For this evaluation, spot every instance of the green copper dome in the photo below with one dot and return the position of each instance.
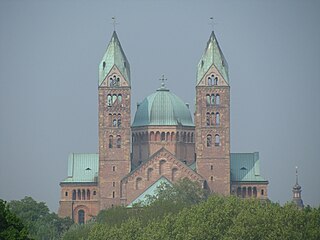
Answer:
(162, 108)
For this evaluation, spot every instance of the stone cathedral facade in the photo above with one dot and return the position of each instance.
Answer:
(163, 144)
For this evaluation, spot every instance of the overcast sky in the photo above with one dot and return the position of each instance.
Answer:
(49, 56)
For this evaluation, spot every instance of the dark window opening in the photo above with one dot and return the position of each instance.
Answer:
(81, 217)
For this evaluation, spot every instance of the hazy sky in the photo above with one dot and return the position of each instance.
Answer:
(49, 56)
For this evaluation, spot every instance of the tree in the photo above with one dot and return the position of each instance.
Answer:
(37, 218)
(11, 227)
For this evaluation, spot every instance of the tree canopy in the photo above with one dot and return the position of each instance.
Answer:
(184, 212)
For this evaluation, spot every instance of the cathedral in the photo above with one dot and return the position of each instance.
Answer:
(164, 143)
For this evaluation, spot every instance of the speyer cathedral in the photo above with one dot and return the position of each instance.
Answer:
(163, 144)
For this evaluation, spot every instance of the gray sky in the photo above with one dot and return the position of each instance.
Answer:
(49, 56)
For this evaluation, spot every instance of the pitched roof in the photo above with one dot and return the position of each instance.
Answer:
(82, 168)
(212, 56)
(245, 167)
(151, 191)
(114, 56)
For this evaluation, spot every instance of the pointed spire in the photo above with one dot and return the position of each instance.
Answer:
(296, 190)
(114, 56)
(212, 56)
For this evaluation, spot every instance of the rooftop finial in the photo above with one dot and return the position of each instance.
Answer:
(212, 23)
(162, 79)
(114, 23)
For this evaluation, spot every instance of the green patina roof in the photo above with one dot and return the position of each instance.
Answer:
(245, 167)
(114, 55)
(82, 167)
(162, 108)
(151, 191)
(212, 56)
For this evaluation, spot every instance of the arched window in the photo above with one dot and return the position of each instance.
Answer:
(192, 137)
(110, 119)
(188, 137)
(138, 183)
(74, 194)
(249, 191)
(119, 98)
(208, 101)
(244, 192)
(158, 136)
(211, 167)
(217, 99)
(216, 81)
(103, 65)
(163, 136)
(119, 120)
(83, 194)
(168, 137)
(66, 194)
(152, 136)
(211, 178)
(88, 194)
(262, 192)
(114, 123)
(109, 100)
(208, 119)
(110, 141)
(161, 166)
(212, 99)
(114, 98)
(79, 194)
(212, 119)
(217, 140)
(254, 192)
(149, 173)
(217, 118)
(81, 217)
(178, 137)
(118, 141)
(209, 81)
(209, 140)
(174, 174)
(184, 137)
(172, 137)
(113, 194)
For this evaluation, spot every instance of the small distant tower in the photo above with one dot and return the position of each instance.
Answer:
(296, 190)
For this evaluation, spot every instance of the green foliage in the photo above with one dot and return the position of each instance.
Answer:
(78, 232)
(11, 227)
(40, 223)
(182, 211)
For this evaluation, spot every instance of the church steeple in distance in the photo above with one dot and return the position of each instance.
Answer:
(296, 190)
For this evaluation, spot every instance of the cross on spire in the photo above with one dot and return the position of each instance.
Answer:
(212, 23)
(162, 79)
(114, 23)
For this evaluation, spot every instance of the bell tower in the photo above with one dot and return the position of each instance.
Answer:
(114, 122)
(212, 119)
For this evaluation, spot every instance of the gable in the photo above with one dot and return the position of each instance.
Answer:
(150, 191)
(160, 164)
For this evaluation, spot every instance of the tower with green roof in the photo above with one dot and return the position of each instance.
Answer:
(114, 122)
(212, 118)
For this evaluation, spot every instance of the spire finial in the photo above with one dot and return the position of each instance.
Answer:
(162, 79)
(114, 23)
(212, 23)
(297, 175)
